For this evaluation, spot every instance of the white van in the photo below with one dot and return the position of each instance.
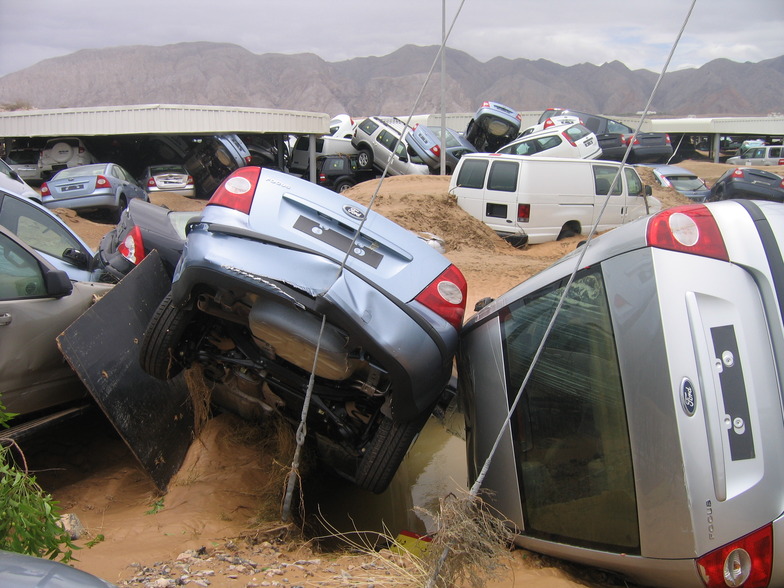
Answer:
(533, 200)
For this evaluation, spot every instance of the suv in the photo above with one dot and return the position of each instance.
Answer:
(213, 158)
(381, 141)
(341, 172)
(614, 138)
(759, 155)
(62, 152)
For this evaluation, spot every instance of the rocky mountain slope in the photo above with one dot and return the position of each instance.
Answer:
(229, 75)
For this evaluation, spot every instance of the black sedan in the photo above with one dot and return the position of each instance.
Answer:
(748, 183)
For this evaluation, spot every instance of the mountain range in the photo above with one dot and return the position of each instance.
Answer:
(229, 75)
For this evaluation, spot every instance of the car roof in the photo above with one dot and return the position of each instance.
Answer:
(673, 170)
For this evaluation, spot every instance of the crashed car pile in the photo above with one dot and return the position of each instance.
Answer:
(644, 442)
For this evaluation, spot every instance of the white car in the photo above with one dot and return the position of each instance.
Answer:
(573, 141)
(11, 181)
(342, 126)
(61, 153)
(553, 121)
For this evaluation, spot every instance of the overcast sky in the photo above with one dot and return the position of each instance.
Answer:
(635, 32)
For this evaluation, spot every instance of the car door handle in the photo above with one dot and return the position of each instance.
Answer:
(5, 319)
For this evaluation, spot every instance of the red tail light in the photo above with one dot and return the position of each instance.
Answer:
(238, 189)
(548, 123)
(189, 182)
(81, 150)
(690, 229)
(248, 159)
(151, 183)
(568, 138)
(737, 172)
(747, 562)
(627, 139)
(446, 296)
(485, 104)
(436, 150)
(45, 190)
(132, 247)
(101, 182)
(523, 213)
(322, 178)
(667, 139)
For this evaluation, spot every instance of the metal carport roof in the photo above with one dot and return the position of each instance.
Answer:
(179, 119)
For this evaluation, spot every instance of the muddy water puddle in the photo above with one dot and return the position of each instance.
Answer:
(434, 467)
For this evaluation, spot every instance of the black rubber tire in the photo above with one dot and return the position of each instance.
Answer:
(157, 355)
(122, 205)
(343, 186)
(385, 452)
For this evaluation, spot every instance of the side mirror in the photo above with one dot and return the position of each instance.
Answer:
(77, 257)
(648, 190)
(58, 284)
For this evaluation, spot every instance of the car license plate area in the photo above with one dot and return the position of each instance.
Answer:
(733, 391)
(338, 241)
(72, 187)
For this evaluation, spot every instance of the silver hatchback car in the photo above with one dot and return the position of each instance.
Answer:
(648, 436)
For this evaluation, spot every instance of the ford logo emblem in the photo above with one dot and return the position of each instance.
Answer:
(354, 212)
(688, 397)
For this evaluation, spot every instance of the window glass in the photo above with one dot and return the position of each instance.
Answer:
(472, 173)
(20, 274)
(387, 139)
(604, 176)
(35, 228)
(549, 142)
(569, 429)
(633, 182)
(503, 176)
(614, 126)
(368, 126)
(775, 152)
(577, 132)
(5, 169)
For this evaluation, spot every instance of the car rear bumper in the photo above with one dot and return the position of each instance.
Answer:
(188, 192)
(415, 352)
(107, 200)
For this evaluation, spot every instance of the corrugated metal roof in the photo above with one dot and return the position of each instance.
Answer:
(177, 119)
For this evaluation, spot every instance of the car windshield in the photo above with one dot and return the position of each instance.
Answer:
(82, 170)
(25, 156)
(686, 182)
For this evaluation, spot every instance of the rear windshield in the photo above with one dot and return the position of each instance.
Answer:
(570, 431)
(17, 157)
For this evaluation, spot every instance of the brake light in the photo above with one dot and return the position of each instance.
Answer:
(151, 183)
(446, 296)
(630, 139)
(132, 247)
(322, 178)
(523, 213)
(189, 181)
(45, 190)
(568, 138)
(747, 562)
(737, 172)
(781, 161)
(237, 190)
(436, 150)
(667, 139)
(248, 159)
(548, 123)
(485, 104)
(689, 229)
(81, 150)
(101, 182)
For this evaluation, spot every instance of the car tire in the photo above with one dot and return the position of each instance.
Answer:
(365, 157)
(121, 206)
(157, 354)
(342, 186)
(385, 453)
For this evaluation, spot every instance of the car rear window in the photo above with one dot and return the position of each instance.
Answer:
(368, 126)
(570, 429)
(577, 132)
(472, 173)
(24, 156)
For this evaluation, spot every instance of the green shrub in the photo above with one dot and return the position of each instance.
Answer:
(29, 518)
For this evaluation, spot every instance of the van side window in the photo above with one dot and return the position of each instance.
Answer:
(633, 182)
(472, 173)
(503, 176)
(569, 429)
(774, 152)
(603, 178)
